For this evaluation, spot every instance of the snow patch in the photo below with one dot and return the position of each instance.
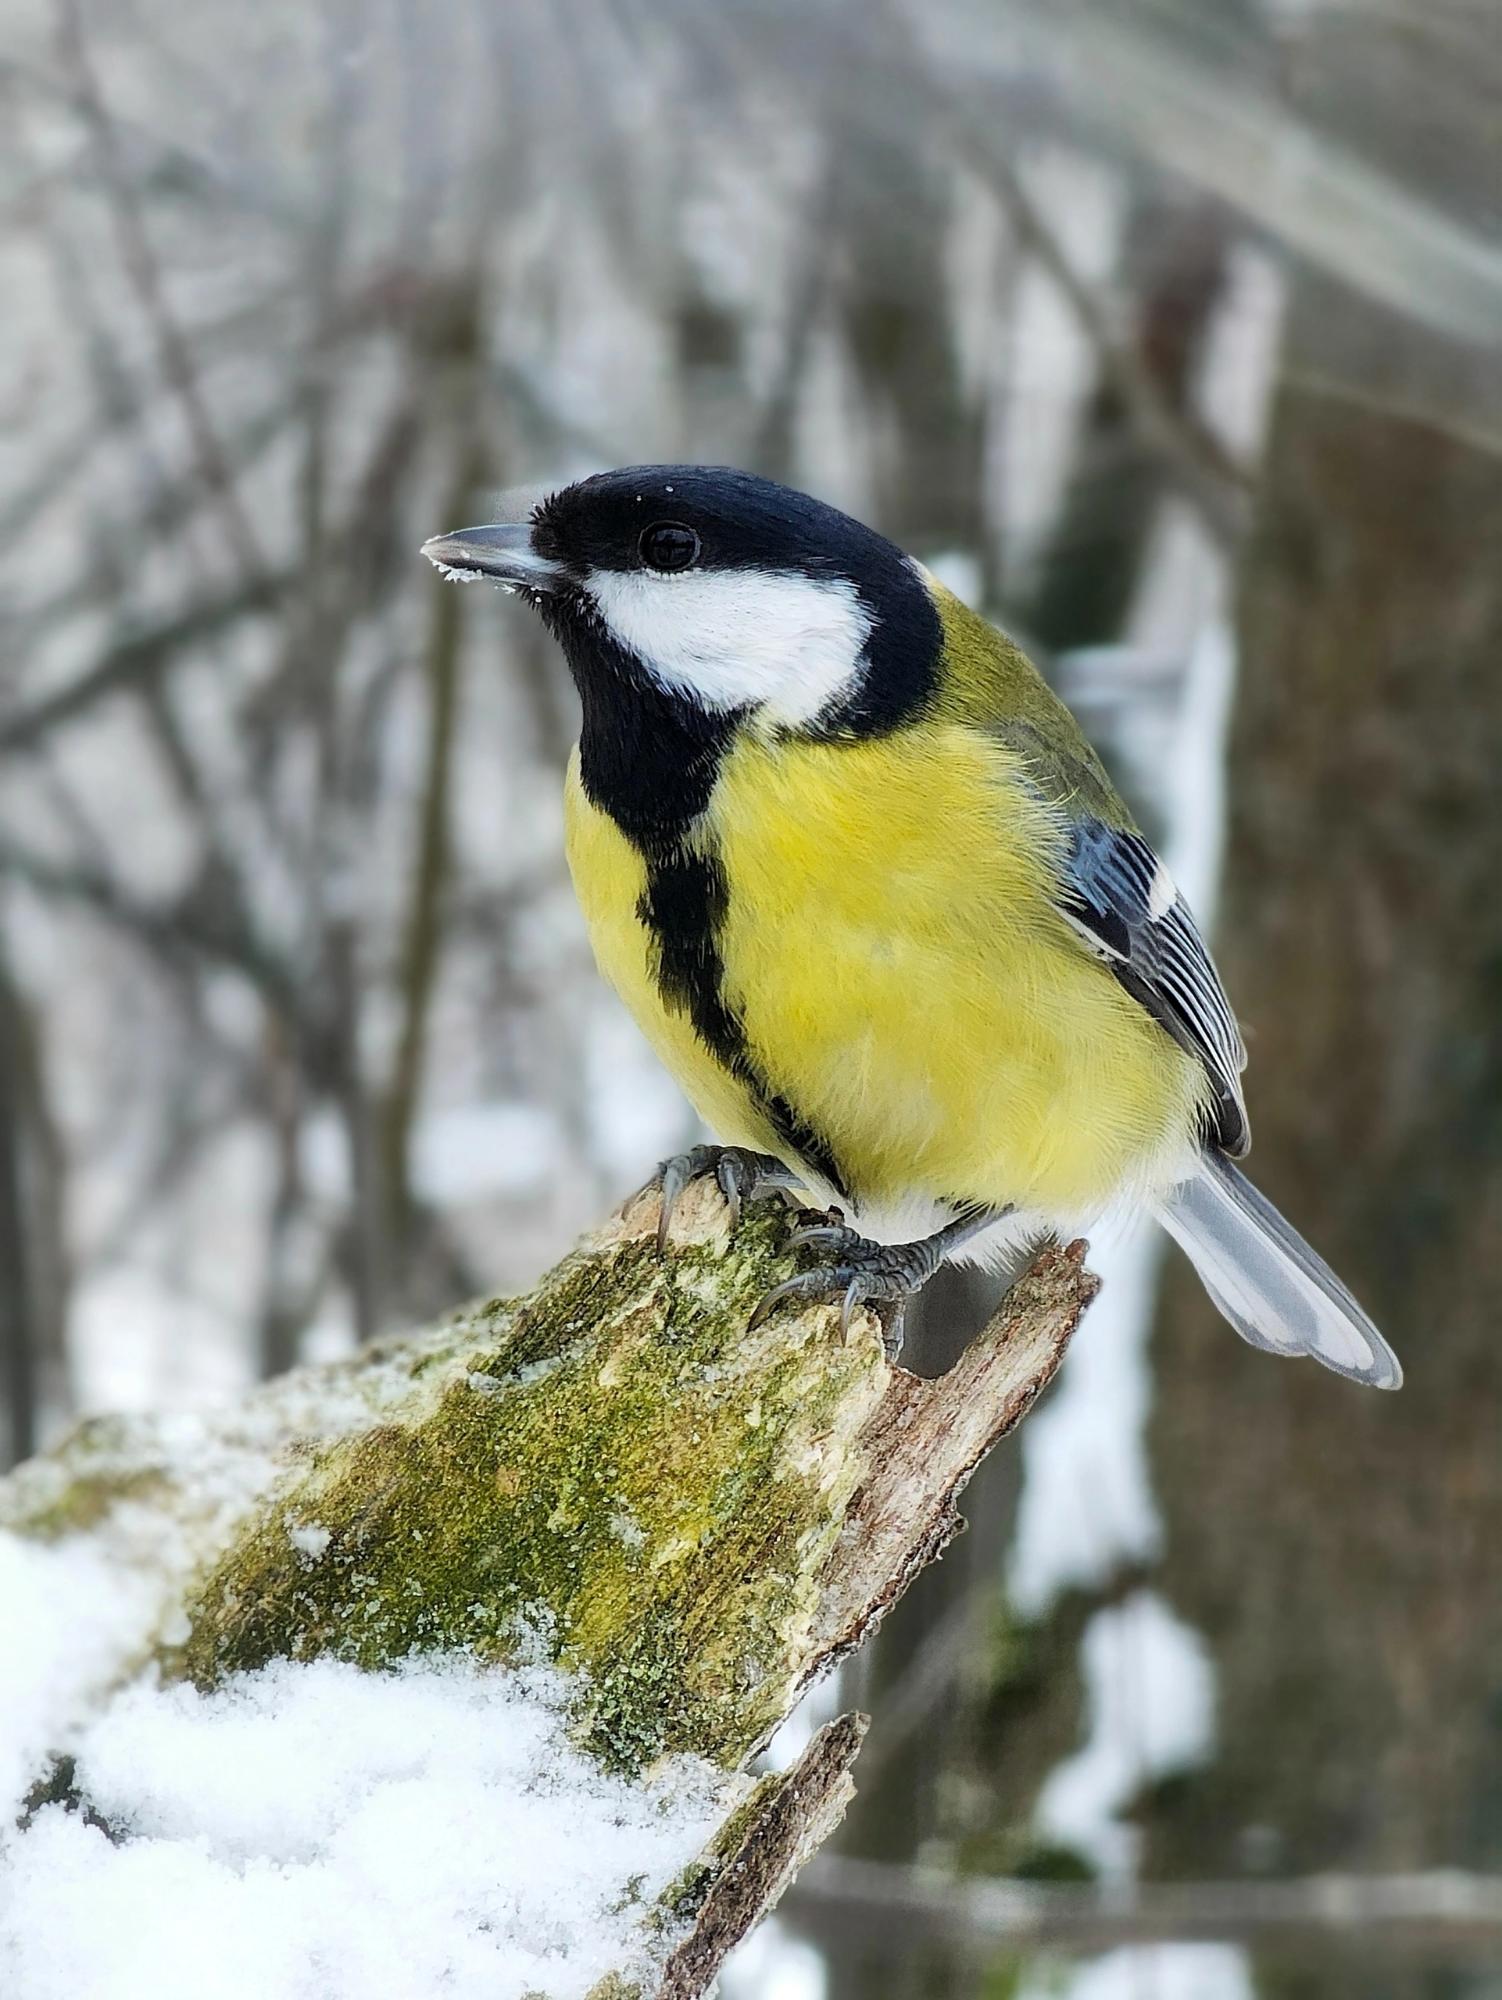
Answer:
(1086, 1506)
(85, 1609)
(1150, 1708)
(314, 1832)
(1164, 1971)
(772, 1964)
(69, 1624)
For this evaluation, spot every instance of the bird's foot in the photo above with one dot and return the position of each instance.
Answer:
(739, 1174)
(857, 1271)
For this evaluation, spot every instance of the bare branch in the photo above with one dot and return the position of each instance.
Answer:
(136, 654)
(876, 1900)
(178, 364)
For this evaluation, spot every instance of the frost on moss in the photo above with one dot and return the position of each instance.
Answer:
(613, 1467)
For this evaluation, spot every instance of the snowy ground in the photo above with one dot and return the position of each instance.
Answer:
(308, 1831)
(311, 1831)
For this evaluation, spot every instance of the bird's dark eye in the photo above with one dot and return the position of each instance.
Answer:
(668, 545)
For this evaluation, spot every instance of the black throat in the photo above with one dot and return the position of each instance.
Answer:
(647, 759)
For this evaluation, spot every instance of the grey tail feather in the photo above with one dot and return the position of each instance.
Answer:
(1266, 1280)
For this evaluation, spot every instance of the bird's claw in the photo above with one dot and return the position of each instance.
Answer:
(857, 1272)
(739, 1174)
(820, 1232)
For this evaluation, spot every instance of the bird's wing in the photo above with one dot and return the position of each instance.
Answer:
(1121, 901)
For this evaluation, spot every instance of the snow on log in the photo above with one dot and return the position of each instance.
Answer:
(442, 1668)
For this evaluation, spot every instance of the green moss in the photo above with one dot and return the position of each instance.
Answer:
(612, 1987)
(614, 1468)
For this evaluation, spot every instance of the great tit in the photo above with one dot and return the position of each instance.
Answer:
(873, 899)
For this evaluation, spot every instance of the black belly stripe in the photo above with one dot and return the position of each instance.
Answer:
(650, 761)
(683, 906)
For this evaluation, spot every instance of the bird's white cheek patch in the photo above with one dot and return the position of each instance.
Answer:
(785, 643)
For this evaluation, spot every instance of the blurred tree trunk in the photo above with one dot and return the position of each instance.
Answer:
(33, 1259)
(18, 1360)
(1338, 1548)
(1174, 265)
(888, 229)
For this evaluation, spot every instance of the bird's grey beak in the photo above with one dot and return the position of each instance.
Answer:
(503, 552)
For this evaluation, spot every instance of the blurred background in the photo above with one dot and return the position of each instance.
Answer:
(1170, 334)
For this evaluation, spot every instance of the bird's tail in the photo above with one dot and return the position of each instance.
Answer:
(1267, 1281)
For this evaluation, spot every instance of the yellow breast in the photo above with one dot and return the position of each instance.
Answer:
(889, 944)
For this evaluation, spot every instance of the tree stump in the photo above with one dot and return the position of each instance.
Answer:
(611, 1483)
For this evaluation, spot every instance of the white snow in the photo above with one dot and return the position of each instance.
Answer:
(82, 1609)
(1150, 1712)
(1086, 1505)
(69, 1625)
(772, 1964)
(312, 1831)
(1148, 1972)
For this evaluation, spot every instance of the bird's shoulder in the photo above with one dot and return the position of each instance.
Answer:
(988, 683)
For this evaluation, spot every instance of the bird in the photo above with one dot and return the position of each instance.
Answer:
(868, 890)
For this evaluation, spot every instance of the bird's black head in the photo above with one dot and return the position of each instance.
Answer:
(721, 594)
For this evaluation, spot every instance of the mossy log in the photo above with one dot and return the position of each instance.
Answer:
(691, 1519)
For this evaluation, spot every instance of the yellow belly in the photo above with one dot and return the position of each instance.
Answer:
(903, 978)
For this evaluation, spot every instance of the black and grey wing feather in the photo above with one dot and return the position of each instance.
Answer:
(1122, 900)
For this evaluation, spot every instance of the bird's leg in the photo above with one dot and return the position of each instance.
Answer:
(884, 1275)
(739, 1174)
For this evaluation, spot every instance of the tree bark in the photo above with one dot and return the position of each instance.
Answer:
(18, 1358)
